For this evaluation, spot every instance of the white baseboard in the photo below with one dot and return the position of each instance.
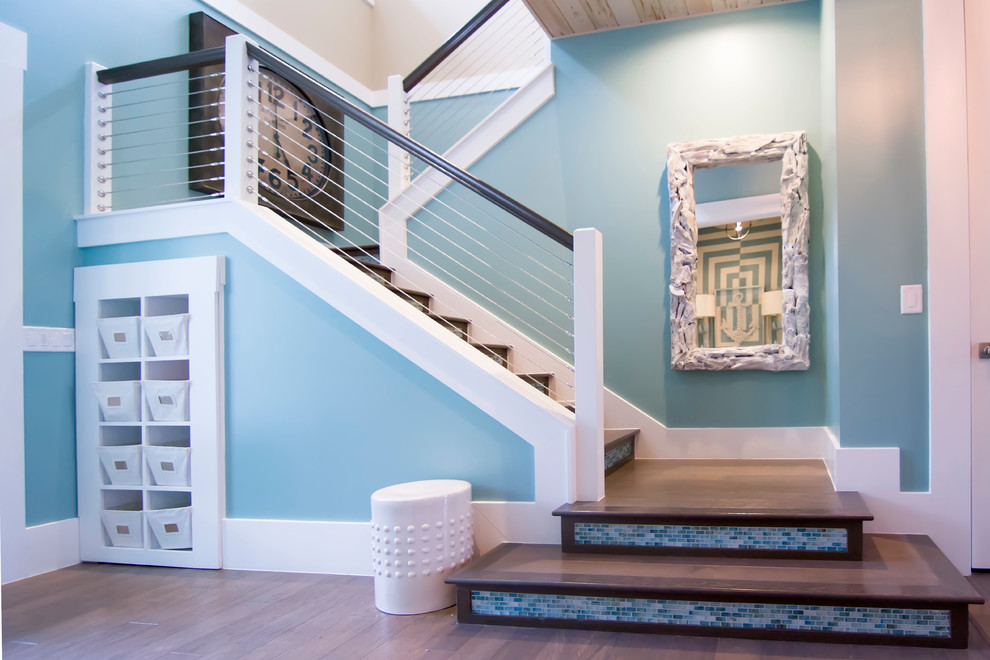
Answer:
(658, 441)
(40, 549)
(297, 546)
(344, 548)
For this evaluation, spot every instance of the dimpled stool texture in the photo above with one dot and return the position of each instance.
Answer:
(421, 532)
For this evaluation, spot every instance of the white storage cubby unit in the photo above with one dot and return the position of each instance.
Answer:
(150, 411)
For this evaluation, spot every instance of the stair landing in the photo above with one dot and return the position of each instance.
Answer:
(752, 508)
(901, 578)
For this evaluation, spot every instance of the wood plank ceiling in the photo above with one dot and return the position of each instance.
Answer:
(565, 18)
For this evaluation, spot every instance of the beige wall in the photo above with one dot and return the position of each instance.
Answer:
(407, 31)
(369, 43)
(339, 30)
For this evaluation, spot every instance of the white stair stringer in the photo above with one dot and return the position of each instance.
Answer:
(544, 424)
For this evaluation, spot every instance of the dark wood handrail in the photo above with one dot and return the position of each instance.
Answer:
(161, 66)
(449, 46)
(372, 123)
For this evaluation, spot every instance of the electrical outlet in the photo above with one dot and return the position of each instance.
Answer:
(39, 339)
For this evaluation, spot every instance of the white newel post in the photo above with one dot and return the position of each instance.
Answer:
(391, 221)
(589, 379)
(97, 143)
(240, 169)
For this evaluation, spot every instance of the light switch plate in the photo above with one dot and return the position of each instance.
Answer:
(912, 296)
(59, 340)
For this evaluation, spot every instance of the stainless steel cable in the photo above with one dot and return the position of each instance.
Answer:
(511, 227)
(118, 106)
(104, 122)
(159, 128)
(439, 217)
(186, 138)
(103, 193)
(117, 90)
(437, 266)
(163, 156)
(104, 179)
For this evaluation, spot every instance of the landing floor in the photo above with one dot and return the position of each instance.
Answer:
(793, 488)
(104, 611)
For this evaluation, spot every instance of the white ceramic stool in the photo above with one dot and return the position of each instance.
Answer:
(420, 532)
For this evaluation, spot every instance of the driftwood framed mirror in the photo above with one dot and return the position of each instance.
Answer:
(752, 317)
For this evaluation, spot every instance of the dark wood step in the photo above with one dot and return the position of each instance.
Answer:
(539, 381)
(362, 252)
(904, 592)
(381, 273)
(737, 508)
(497, 352)
(454, 324)
(620, 448)
(417, 299)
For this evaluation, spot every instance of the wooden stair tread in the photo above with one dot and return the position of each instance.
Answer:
(743, 489)
(902, 569)
(360, 251)
(440, 318)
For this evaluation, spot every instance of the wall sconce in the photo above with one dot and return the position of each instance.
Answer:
(772, 307)
(704, 310)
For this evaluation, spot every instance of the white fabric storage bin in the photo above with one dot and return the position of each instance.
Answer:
(169, 465)
(167, 399)
(169, 335)
(122, 464)
(120, 400)
(420, 532)
(172, 527)
(121, 336)
(125, 528)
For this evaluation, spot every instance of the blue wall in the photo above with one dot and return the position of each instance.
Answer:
(595, 155)
(61, 38)
(881, 230)
(320, 414)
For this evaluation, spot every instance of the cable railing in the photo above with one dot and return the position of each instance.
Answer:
(490, 248)
(238, 122)
(499, 50)
(158, 131)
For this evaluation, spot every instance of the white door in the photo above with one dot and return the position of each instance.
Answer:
(978, 101)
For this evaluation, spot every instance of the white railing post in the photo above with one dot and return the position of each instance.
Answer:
(391, 223)
(97, 143)
(589, 380)
(241, 108)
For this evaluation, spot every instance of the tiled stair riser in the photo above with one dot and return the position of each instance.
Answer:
(850, 622)
(813, 539)
(618, 455)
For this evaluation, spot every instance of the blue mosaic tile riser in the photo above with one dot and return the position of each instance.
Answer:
(618, 454)
(816, 539)
(758, 616)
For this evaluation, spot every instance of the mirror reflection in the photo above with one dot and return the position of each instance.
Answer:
(738, 300)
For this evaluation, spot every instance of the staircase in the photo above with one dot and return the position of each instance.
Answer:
(742, 548)
(365, 258)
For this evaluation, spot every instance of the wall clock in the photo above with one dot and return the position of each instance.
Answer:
(300, 139)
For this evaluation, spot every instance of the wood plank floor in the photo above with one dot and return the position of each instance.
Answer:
(719, 487)
(124, 612)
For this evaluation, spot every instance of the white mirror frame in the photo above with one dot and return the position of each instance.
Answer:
(683, 158)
